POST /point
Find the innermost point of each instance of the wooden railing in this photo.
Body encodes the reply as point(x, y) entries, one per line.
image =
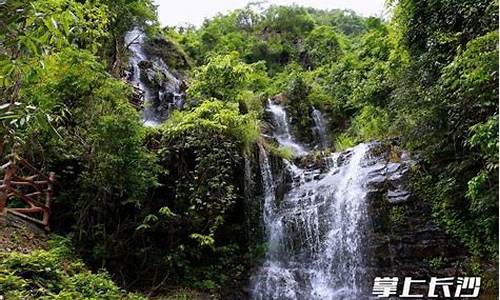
point(25, 192)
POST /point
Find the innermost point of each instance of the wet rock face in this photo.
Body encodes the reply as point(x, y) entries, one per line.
point(403, 240)
point(165, 91)
point(161, 87)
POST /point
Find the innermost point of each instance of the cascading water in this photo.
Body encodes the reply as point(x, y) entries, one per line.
point(282, 128)
point(161, 90)
point(320, 127)
point(315, 234)
point(134, 39)
point(269, 196)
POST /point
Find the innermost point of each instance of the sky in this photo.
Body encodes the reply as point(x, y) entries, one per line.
point(181, 12)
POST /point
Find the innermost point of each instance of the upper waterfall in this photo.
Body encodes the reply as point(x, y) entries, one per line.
point(282, 129)
point(320, 128)
point(161, 89)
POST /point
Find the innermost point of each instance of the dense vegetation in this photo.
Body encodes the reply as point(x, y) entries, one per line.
point(55, 274)
point(429, 77)
point(168, 206)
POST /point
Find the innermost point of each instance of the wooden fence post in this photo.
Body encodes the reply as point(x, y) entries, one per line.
point(4, 188)
point(48, 200)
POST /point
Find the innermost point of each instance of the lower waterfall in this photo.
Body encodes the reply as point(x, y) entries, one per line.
point(316, 233)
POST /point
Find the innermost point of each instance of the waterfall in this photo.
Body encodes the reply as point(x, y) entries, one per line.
point(135, 40)
point(320, 127)
point(316, 234)
point(272, 231)
point(282, 129)
point(161, 89)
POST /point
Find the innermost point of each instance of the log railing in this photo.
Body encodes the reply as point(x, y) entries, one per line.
point(25, 192)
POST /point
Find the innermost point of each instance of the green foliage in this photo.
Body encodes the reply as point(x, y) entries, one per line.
point(99, 133)
point(460, 111)
point(437, 263)
point(54, 84)
point(54, 274)
point(129, 13)
point(322, 46)
point(51, 25)
point(169, 51)
point(31, 32)
point(276, 35)
point(283, 152)
point(291, 21)
point(370, 123)
point(217, 118)
point(203, 240)
point(398, 215)
point(449, 25)
point(225, 78)
point(344, 21)
point(484, 136)
point(15, 120)
point(198, 200)
point(45, 26)
point(297, 102)
point(126, 14)
point(214, 136)
point(344, 141)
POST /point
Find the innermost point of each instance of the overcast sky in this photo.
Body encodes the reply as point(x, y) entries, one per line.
point(179, 12)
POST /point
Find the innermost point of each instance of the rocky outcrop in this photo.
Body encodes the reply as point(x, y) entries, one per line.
point(165, 91)
point(168, 51)
point(163, 87)
point(404, 241)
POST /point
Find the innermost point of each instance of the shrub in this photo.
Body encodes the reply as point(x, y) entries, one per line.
point(54, 274)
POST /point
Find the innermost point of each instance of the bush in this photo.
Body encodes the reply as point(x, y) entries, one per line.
point(369, 124)
point(225, 78)
point(54, 274)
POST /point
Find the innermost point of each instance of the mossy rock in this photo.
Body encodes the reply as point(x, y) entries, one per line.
point(169, 52)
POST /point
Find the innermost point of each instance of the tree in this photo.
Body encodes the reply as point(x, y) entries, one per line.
point(226, 78)
point(30, 33)
point(452, 78)
point(322, 46)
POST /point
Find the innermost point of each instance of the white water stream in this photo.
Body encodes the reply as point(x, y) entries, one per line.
point(315, 234)
point(160, 100)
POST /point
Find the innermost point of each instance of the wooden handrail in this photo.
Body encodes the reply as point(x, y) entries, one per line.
point(36, 194)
